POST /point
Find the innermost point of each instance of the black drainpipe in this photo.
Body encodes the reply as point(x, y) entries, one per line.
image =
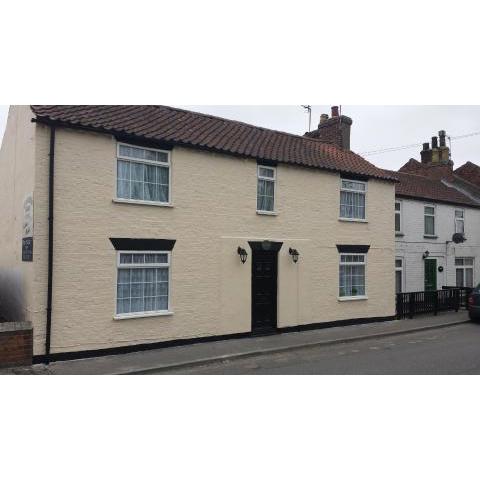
point(51, 178)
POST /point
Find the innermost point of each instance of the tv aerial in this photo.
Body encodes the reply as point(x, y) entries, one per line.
point(308, 108)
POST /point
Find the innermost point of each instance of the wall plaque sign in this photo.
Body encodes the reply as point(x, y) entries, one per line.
point(27, 229)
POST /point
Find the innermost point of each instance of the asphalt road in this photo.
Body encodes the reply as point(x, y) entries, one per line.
point(451, 350)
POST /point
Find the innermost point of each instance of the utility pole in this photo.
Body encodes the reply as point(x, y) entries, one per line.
point(308, 108)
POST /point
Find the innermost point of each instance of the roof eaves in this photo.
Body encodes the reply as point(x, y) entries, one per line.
point(52, 120)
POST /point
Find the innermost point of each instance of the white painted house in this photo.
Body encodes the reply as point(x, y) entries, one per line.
point(432, 205)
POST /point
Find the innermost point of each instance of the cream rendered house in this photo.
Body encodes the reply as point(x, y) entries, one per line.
point(127, 227)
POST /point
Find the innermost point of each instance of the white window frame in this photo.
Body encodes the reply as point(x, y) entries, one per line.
point(154, 313)
point(364, 263)
point(400, 213)
point(464, 268)
point(342, 189)
point(401, 270)
point(425, 234)
point(272, 180)
point(167, 164)
point(462, 219)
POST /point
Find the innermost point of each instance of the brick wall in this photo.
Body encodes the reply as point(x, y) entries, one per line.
point(16, 344)
point(335, 130)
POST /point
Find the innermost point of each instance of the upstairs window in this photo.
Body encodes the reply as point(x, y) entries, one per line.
point(143, 174)
point(352, 275)
point(459, 221)
point(266, 178)
point(352, 199)
point(398, 217)
point(429, 220)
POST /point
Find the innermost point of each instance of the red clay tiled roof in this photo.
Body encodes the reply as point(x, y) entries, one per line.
point(470, 172)
point(431, 189)
point(427, 170)
point(191, 129)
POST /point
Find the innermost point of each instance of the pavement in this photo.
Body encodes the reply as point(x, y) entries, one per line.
point(175, 359)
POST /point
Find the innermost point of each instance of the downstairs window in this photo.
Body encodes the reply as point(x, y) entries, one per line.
point(352, 275)
point(143, 280)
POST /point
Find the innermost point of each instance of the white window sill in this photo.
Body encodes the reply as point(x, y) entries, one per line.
point(142, 202)
point(272, 214)
point(352, 299)
point(143, 315)
point(357, 220)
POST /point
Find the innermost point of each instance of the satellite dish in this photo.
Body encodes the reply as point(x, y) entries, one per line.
point(458, 238)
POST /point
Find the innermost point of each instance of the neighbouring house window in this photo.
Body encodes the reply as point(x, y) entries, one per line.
point(266, 177)
point(398, 217)
point(352, 275)
point(398, 275)
point(464, 272)
point(143, 282)
point(352, 199)
point(459, 221)
point(429, 217)
point(143, 174)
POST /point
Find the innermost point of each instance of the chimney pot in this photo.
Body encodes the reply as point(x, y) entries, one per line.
point(426, 146)
point(434, 142)
point(323, 118)
point(335, 111)
point(442, 134)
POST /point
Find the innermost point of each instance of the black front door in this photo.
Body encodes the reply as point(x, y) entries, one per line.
point(264, 290)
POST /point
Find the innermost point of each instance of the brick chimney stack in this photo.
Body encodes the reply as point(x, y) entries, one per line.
point(334, 130)
point(439, 154)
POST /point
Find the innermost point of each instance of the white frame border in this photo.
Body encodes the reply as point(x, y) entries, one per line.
point(460, 209)
point(429, 235)
point(168, 164)
point(155, 313)
point(346, 219)
point(274, 180)
point(356, 297)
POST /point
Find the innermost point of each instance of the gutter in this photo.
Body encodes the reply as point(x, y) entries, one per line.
point(51, 198)
point(169, 144)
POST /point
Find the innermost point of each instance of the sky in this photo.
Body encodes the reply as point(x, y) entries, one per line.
point(374, 127)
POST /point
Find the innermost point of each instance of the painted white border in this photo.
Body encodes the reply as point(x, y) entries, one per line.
point(269, 179)
point(402, 270)
point(429, 235)
point(155, 313)
point(346, 219)
point(356, 297)
point(463, 267)
point(399, 232)
point(168, 164)
point(460, 219)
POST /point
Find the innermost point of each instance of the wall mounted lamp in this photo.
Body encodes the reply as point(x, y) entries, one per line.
point(242, 254)
point(294, 253)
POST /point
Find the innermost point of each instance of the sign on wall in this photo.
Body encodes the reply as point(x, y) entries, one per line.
point(27, 229)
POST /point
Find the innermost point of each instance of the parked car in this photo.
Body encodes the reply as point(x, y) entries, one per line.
point(474, 304)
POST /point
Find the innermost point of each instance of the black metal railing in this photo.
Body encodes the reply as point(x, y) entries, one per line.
point(464, 294)
point(414, 303)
